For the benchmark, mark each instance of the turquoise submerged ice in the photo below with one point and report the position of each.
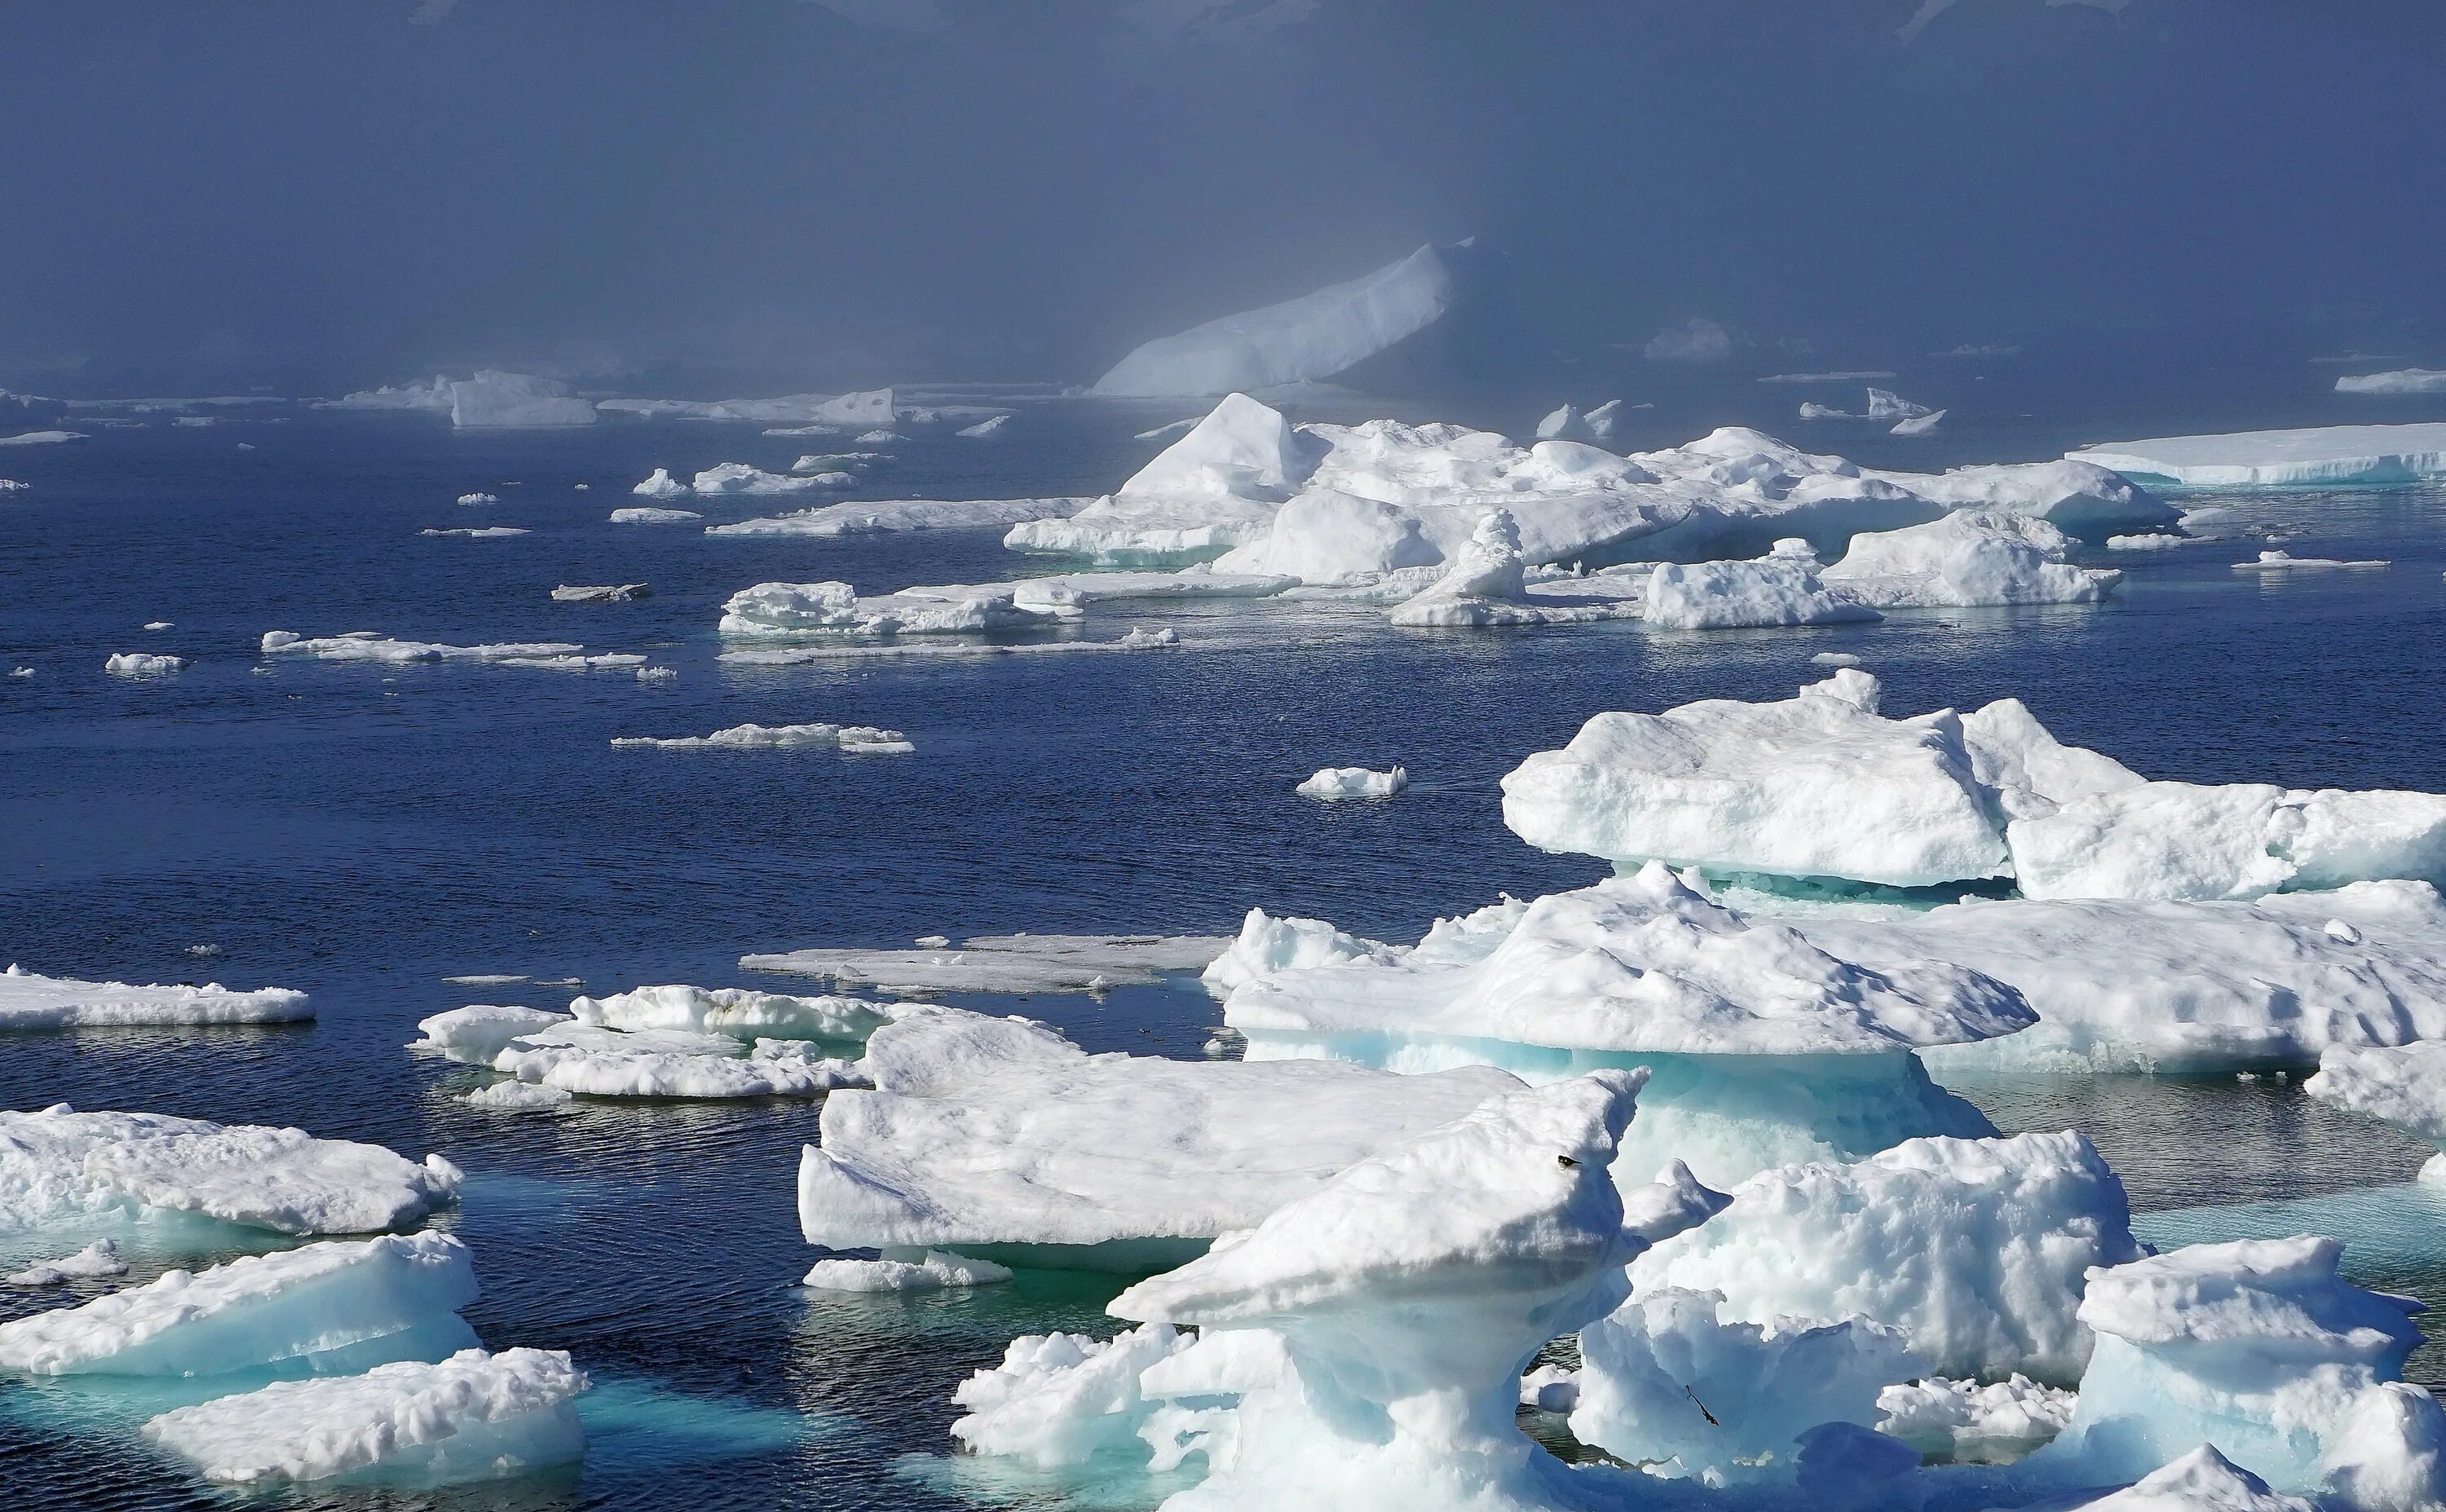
(1761, 1048)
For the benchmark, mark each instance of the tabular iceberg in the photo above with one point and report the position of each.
(2320, 455)
(31, 1002)
(471, 1417)
(741, 1013)
(999, 1137)
(495, 398)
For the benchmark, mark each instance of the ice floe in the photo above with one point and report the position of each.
(141, 664)
(368, 646)
(984, 1134)
(2182, 840)
(661, 484)
(2403, 1085)
(485, 532)
(494, 399)
(1970, 1424)
(1884, 405)
(933, 1271)
(41, 437)
(479, 498)
(740, 477)
(784, 609)
(2400, 380)
(990, 426)
(741, 1013)
(31, 1002)
(1003, 963)
(591, 1060)
(2282, 561)
(892, 517)
(598, 592)
(1783, 588)
(1353, 782)
(98, 1260)
(2320, 454)
(1919, 424)
(473, 1416)
(639, 516)
(326, 1308)
(855, 740)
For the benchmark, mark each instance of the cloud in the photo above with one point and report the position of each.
(1930, 10)
(1697, 339)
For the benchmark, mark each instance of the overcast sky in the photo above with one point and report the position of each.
(814, 192)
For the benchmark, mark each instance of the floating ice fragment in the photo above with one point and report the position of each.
(834, 607)
(472, 1417)
(592, 1061)
(479, 498)
(2202, 1481)
(879, 437)
(856, 740)
(1780, 589)
(41, 437)
(660, 484)
(488, 533)
(598, 593)
(1136, 639)
(518, 1097)
(495, 398)
(96, 1260)
(653, 516)
(2281, 561)
(657, 674)
(1967, 1423)
(2401, 380)
(2401, 1085)
(983, 428)
(30, 1002)
(739, 477)
(1834, 659)
(2320, 454)
(936, 1270)
(141, 664)
(2147, 543)
(479, 1031)
(368, 646)
(1918, 425)
(1886, 404)
(892, 517)
(739, 1013)
(1003, 963)
(1354, 782)
(160, 624)
(1969, 558)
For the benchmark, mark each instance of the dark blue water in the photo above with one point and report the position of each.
(364, 831)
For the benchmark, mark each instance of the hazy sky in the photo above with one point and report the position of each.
(809, 192)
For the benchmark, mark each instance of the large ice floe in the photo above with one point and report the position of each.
(494, 399)
(31, 1002)
(2403, 1085)
(997, 1136)
(1761, 1048)
(1404, 1298)
(369, 646)
(330, 1307)
(473, 1416)
(61, 1167)
(2317, 455)
(1016, 963)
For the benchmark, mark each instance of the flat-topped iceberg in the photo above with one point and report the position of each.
(740, 477)
(472, 1417)
(2403, 1085)
(142, 663)
(326, 1308)
(999, 1137)
(1003, 963)
(495, 399)
(31, 1002)
(782, 609)
(2317, 455)
(476, 1033)
(1761, 1048)
(896, 516)
(856, 740)
(60, 1164)
(642, 515)
(1977, 1249)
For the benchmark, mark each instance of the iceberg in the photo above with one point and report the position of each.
(2280, 561)
(2259, 1347)
(855, 740)
(1884, 405)
(41, 437)
(325, 1308)
(1784, 588)
(1979, 1250)
(1062, 1399)
(479, 498)
(892, 516)
(141, 664)
(1760, 1049)
(2202, 1481)
(2318, 455)
(1918, 425)
(487, 533)
(435, 395)
(590, 1060)
(479, 1031)
(61, 1166)
(1003, 963)
(1215, 487)
(1439, 312)
(1353, 782)
(494, 399)
(473, 1416)
(2401, 380)
(1409, 1294)
(1968, 559)
(653, 516)
(2401, 1085)
(2079, 498)
(997, 1137)
(983, 429)
(98, 1260)
(832, 608)
(1487, 584)
(661, 484)
(739, 477)
(368, 646)
(31, 1002)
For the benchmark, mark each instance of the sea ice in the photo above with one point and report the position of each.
(495, 398)
(30, 1002)
(1060, 1399)
(1971, 557)
(985, 1132)
(488, 533)
(1784, 588)
(366, 645)
(2320, 455)
(2182, 840)
(892, 517)
(1884, 405)
(2401, 380)
(858, 740)
(1003, 963)
(592, 1061)
(2403, 1085)
(472, 1417)
(479, 498)
(983, 428)
(41, 437)
(1919, 424)
(935, 1271)
(739, 477)
(598, 592)
(741, 1013)
(1487, 584)
(1354, 782)
(2281, 561)
(435, 395)
(1970, 1424)
(2147, 543)
(320, 1307)
(834, 608)
(95, 1261)
(479, 1032)
(1215, 487)
(660, 484)
(518, 1097)
(1977, 1249)
(2202, 1481)
(653, 516)
(141, 664)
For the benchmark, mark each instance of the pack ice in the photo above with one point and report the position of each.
(998, 1136)
(31, 1002)
(61, 1166)
(2317, 455)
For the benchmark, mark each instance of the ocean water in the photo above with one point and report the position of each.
(365, 832)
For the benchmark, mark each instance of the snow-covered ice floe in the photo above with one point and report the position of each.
(368, 646)
(479, 498)
(488, 533)
(2403, 1085)
(1760, 1048)
(494, 399)
(1354, 782)
(2400, 380)
(642, 515)
(31, 1002)
(598, 592)
(473, 1416)
(740, 477)
(591, 1062)
(892, 516)
(1003, 963)
(141, 664)
(60, 1166)
(2316, 456)
(935, 1270)
(1967, 1423)
(41, 437)
(998, 1137)
(2283, 561)
(856, 740)
(326, 1308)
(783, 609)
(815, 414)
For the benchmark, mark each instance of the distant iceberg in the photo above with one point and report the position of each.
(1442, 313)
(495, 400)
(2401, 380)
(434, 396)
(2320, 455)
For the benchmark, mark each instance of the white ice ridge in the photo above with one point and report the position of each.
(141, 664)
(2320, 454)
(1782, 587)
(1338, 504)
(1354, 782)
(984, 1132)
(1969, 558)
(935, 1270)
(1762, 1049)
(60, 1164)
(2259, 1347)
(591, 1060)
(784, 609)
(495, 398)
(472, 1417)
(858, 740)
(653, 516)
(368, 646)
(1409, 1294)
(2403, 1085)
(2401, 380)
(330, 1307)
(894, 516)
(1003, 963)
(1891, 1239)
(2181, 987)
(31, 1002)
(1314, 336)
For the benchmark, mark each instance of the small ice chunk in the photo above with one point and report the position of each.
(1887, 404)
(1834, 659)
(160, 624)
(1354, 782)
(1551, 1389)
(659, 484)
(834, 608)
(2158, 542)
(1918, 425)
(1060, 1399)
(518, 1097)
(653, 516)
(479, 498)
(598, 593)
(935, 1270)
(1969, 558)
(31, 1002)
(597, 1062)
(856, 740)
(95, 1261)
(989, 426)
(41, 437)
(1005, 963)
(657, 674)
(2281, 561)
(739, 1013)
(880, 437)
(488, 533)
(894, 516)
(740, 477)
(1967, 1423)
(2401, 1085)
(1136, 639)
(479, 1032)
(1772, 590)
(368, 646)
(141, 664)
(472, 1417)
